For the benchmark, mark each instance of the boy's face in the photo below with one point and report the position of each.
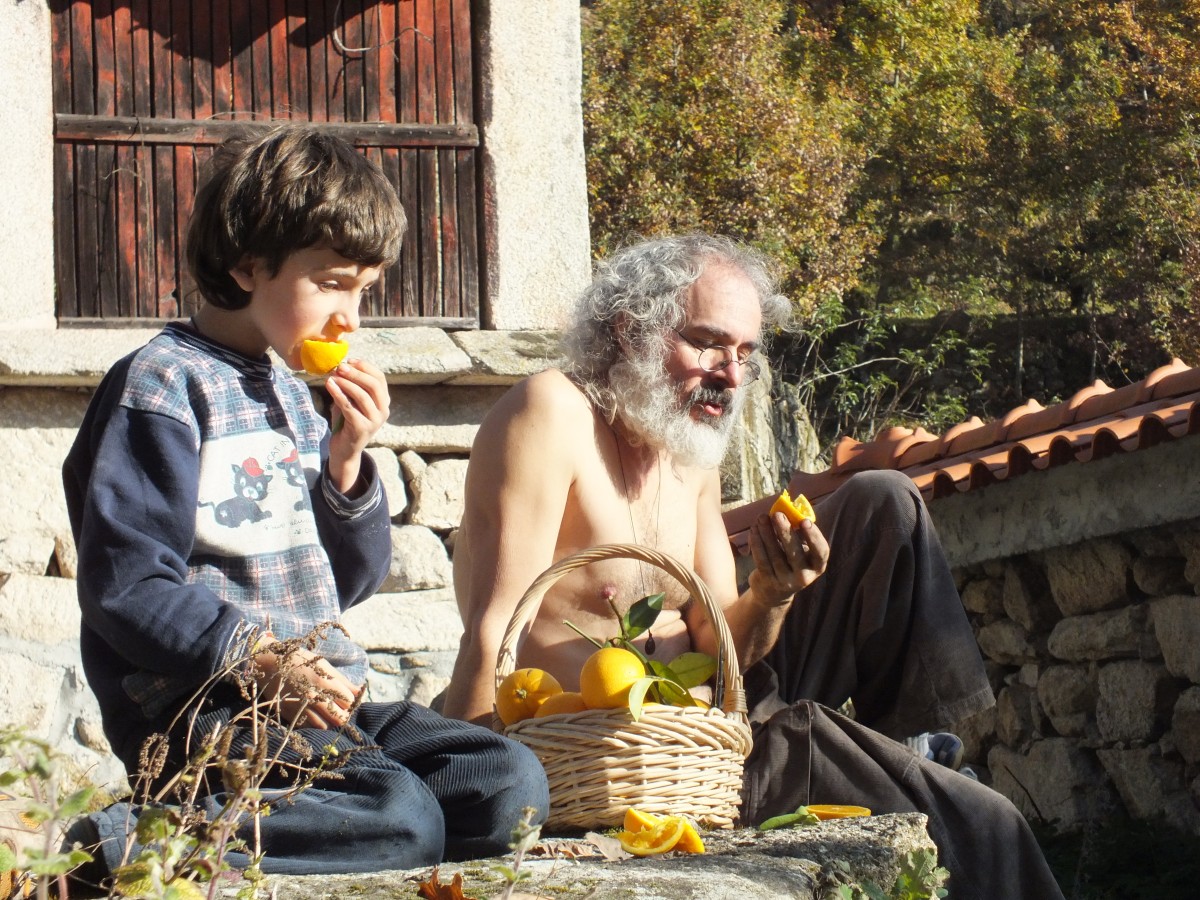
(315, 295)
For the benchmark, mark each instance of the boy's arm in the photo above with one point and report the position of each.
(356, 534)
(786, 562)
(134, 523)
(517, 485)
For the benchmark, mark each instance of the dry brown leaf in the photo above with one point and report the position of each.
(610, 848)
(433, 889)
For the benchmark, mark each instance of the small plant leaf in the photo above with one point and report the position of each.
(692, 669)
(641, 616)
(76, 803)
(637, 694)
(8, 859)
(668, 687)
(800, 817)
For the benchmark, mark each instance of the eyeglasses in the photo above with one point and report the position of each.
(714, 358)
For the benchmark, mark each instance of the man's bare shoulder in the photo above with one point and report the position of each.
(549, 397)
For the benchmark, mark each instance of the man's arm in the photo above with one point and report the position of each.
(518, 479)
(786, 561)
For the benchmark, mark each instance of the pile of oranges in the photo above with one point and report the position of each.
(604, 683)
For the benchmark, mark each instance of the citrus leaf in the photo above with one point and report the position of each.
(641, 616)
(637, 694)
(692, 669)
(669, 688)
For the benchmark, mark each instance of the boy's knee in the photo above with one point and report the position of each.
(525, 782)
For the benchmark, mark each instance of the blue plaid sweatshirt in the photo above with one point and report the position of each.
(201, 507)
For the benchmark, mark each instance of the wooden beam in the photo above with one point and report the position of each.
(148, 130)
(450, 323)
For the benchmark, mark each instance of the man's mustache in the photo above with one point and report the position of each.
(715, 396)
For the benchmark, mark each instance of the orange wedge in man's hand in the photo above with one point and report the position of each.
(322, 357)
(796, 510)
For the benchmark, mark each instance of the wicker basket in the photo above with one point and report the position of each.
(684, 761)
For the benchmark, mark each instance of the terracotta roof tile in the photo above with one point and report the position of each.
(1096, 422)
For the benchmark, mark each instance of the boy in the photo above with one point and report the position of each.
(215, 513)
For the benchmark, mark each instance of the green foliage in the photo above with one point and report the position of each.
(29, 772)
(919, 878)
(913, 159)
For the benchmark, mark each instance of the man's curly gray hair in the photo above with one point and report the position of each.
(644, 289)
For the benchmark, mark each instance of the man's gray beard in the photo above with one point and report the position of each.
(648, 404)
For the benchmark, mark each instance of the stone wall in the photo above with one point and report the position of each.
(1094, 653)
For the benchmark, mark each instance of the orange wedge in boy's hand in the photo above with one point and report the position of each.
(322, 357)
(796, 510)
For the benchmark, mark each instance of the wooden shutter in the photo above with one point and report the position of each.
(144, 88)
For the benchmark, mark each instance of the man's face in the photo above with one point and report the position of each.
(674, 403)
(722, 312)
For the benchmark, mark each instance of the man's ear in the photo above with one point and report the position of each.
(243, 273)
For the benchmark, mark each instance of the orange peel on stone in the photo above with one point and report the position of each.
(322, 357)
(825, 811)
(796, 509)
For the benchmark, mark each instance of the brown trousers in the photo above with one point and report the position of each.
(885, 627)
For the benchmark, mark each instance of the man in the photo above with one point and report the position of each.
(622, 445)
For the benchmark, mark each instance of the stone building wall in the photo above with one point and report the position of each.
(1094, 653)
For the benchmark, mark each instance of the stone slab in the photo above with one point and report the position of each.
(741, 863)
(412, 621)
(39, 610)
(504, 357)
(1067, 504)
(442, 419)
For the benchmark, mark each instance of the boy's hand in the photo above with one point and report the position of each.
(361, 405)
(786, 559)
(310, 691)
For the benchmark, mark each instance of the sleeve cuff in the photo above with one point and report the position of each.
(355, 508)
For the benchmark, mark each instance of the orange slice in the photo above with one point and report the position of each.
(638, 820)
(796, 510)
(322, 357)
(836, 810)
(659, 838)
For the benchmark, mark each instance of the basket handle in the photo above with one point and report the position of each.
(728, 694)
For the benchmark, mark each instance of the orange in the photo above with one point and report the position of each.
(561, 703)
(836, 811)
(796, 510)
(608, 675)
(659, 838)
(522, 692)
(637, 820)
(322, 357)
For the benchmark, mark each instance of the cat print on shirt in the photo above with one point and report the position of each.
(249, 489)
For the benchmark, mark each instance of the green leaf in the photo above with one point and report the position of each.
(637, 694)
(692, 669)
(641, 616)
(800, 817)
(669, 688)
(8, 859)
(75, 803)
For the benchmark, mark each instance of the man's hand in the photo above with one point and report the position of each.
(786, 559)
(361, 405)
(310, 691)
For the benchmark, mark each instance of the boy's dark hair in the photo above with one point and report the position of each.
(270, 195)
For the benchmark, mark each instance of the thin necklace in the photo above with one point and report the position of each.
(632, 526)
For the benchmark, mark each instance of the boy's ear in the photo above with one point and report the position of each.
(243, 273)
